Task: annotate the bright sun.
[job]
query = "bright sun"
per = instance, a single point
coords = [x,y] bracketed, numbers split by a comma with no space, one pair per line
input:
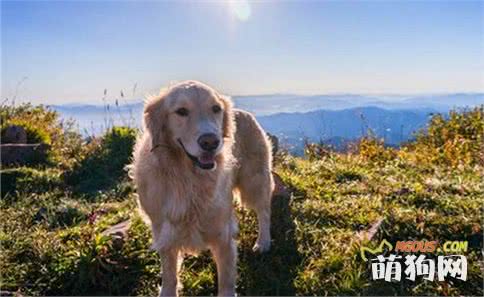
[240,9]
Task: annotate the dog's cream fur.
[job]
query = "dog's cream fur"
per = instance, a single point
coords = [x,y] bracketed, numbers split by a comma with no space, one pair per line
[190,208]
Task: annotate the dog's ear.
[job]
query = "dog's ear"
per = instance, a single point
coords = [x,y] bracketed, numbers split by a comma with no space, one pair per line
[155,119]
[228,121]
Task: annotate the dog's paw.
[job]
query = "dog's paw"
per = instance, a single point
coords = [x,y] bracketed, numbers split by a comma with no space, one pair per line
[262,246]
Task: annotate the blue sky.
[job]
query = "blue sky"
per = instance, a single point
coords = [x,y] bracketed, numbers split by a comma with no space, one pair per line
[70,51]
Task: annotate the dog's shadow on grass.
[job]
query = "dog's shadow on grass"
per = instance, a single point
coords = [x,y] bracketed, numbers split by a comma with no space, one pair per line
[271,273]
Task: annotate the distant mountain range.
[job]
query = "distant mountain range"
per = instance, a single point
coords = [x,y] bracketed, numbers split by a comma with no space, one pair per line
[334,119]
[337,127]
[271,104]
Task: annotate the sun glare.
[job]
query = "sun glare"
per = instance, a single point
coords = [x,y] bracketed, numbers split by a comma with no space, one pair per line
[240,9]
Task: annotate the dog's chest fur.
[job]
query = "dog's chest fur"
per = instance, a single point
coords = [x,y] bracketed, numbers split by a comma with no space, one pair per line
[195,208]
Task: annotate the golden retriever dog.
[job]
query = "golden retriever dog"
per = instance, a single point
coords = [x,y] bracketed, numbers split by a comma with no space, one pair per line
[195,151]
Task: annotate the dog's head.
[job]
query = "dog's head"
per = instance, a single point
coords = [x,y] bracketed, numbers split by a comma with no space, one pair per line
[193,118]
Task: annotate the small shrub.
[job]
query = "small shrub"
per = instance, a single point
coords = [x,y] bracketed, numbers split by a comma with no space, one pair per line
[9,178]
[316,151]
[67,216]
[348,176]
[457,140]
[373,150]
[25,179]
[104,165]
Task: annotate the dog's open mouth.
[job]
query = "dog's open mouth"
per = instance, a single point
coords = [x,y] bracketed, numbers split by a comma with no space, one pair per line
[205,161]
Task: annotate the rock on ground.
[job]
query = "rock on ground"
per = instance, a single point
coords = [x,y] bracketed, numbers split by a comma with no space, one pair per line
[14,134]
[21,154]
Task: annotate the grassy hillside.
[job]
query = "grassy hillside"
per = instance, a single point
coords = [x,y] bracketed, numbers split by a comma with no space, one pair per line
[54,214]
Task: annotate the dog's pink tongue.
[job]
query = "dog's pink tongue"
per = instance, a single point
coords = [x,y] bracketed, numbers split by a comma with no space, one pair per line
[206,158]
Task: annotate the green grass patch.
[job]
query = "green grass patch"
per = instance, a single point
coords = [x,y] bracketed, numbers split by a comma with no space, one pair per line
[53,244]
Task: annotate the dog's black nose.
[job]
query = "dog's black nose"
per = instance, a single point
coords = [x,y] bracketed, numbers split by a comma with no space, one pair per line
[208,142]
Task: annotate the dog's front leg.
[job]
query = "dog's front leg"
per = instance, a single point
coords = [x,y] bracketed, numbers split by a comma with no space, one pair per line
[263,243]
[169,272]
[225,254]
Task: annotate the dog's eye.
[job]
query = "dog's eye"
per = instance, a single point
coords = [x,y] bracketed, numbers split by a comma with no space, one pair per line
[182,112]
[216,109]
